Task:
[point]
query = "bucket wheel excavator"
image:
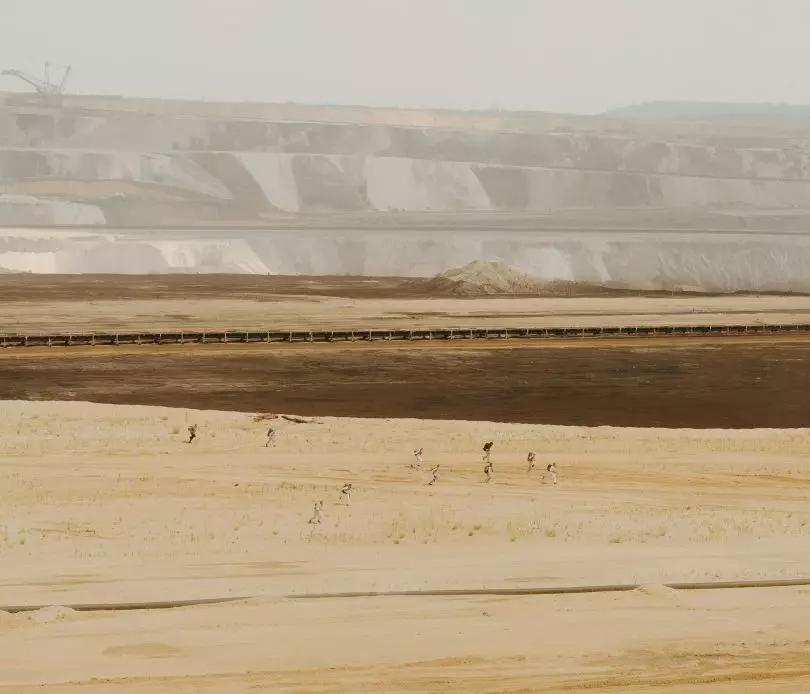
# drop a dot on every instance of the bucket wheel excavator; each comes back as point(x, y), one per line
point(44, 86)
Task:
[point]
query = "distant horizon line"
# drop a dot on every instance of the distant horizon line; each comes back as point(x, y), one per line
point(738, 107)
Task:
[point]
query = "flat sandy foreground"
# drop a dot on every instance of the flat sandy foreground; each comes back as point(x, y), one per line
point(108, 504)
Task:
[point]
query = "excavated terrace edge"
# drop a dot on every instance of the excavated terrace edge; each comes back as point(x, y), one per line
point(542, 590)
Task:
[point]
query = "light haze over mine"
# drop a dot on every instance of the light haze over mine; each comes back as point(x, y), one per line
point(620, 143)
point(576, 56)
point(438, 346)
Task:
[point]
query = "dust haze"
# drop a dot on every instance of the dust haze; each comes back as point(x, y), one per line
point(453, 346)
point(550, 55)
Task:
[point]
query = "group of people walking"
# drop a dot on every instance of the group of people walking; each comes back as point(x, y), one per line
point(344, 500)
point(346, 490)
point(271, 435)
point(551, 468)
point(418, 453)
point(489, 469)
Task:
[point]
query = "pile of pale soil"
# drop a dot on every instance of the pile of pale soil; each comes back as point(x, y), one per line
point(482, 278)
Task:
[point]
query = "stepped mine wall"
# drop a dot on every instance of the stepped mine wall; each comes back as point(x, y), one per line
point(247, 185)
point(242, 168)
point(143, 133)
point(126, 163)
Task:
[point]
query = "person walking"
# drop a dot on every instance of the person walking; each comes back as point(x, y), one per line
point(530, 460)
point(317, 513)
point(435, 477)
point(488, 471)
point(271, 437)
point(192, 433)
point(487, 451)
point(551, 468)
point(417, 454)
point(346, 494)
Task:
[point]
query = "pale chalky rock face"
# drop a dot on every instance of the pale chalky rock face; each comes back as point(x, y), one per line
point(431, 191)
point(252, 158)
point(26, 210)
point(689, 261)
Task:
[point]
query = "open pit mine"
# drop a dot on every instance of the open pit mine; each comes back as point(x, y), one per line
point(106, 185)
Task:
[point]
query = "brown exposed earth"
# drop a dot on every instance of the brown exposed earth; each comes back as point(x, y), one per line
point(31, 287)
point(696, 383)
point(688, 382)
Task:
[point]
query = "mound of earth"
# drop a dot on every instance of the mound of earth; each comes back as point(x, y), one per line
point(482, 278)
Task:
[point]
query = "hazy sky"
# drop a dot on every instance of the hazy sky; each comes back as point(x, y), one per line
point(555, 55)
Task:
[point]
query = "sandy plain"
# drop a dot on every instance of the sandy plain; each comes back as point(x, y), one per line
point(301, 313)
point(107, 503)
point(40, 304)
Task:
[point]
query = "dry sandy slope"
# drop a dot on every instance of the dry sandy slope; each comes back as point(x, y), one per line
point(107, 503)
point(314, 312)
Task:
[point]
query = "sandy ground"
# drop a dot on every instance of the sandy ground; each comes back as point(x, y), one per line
point(106, 503)
point(97, 303)
point(312, 312)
